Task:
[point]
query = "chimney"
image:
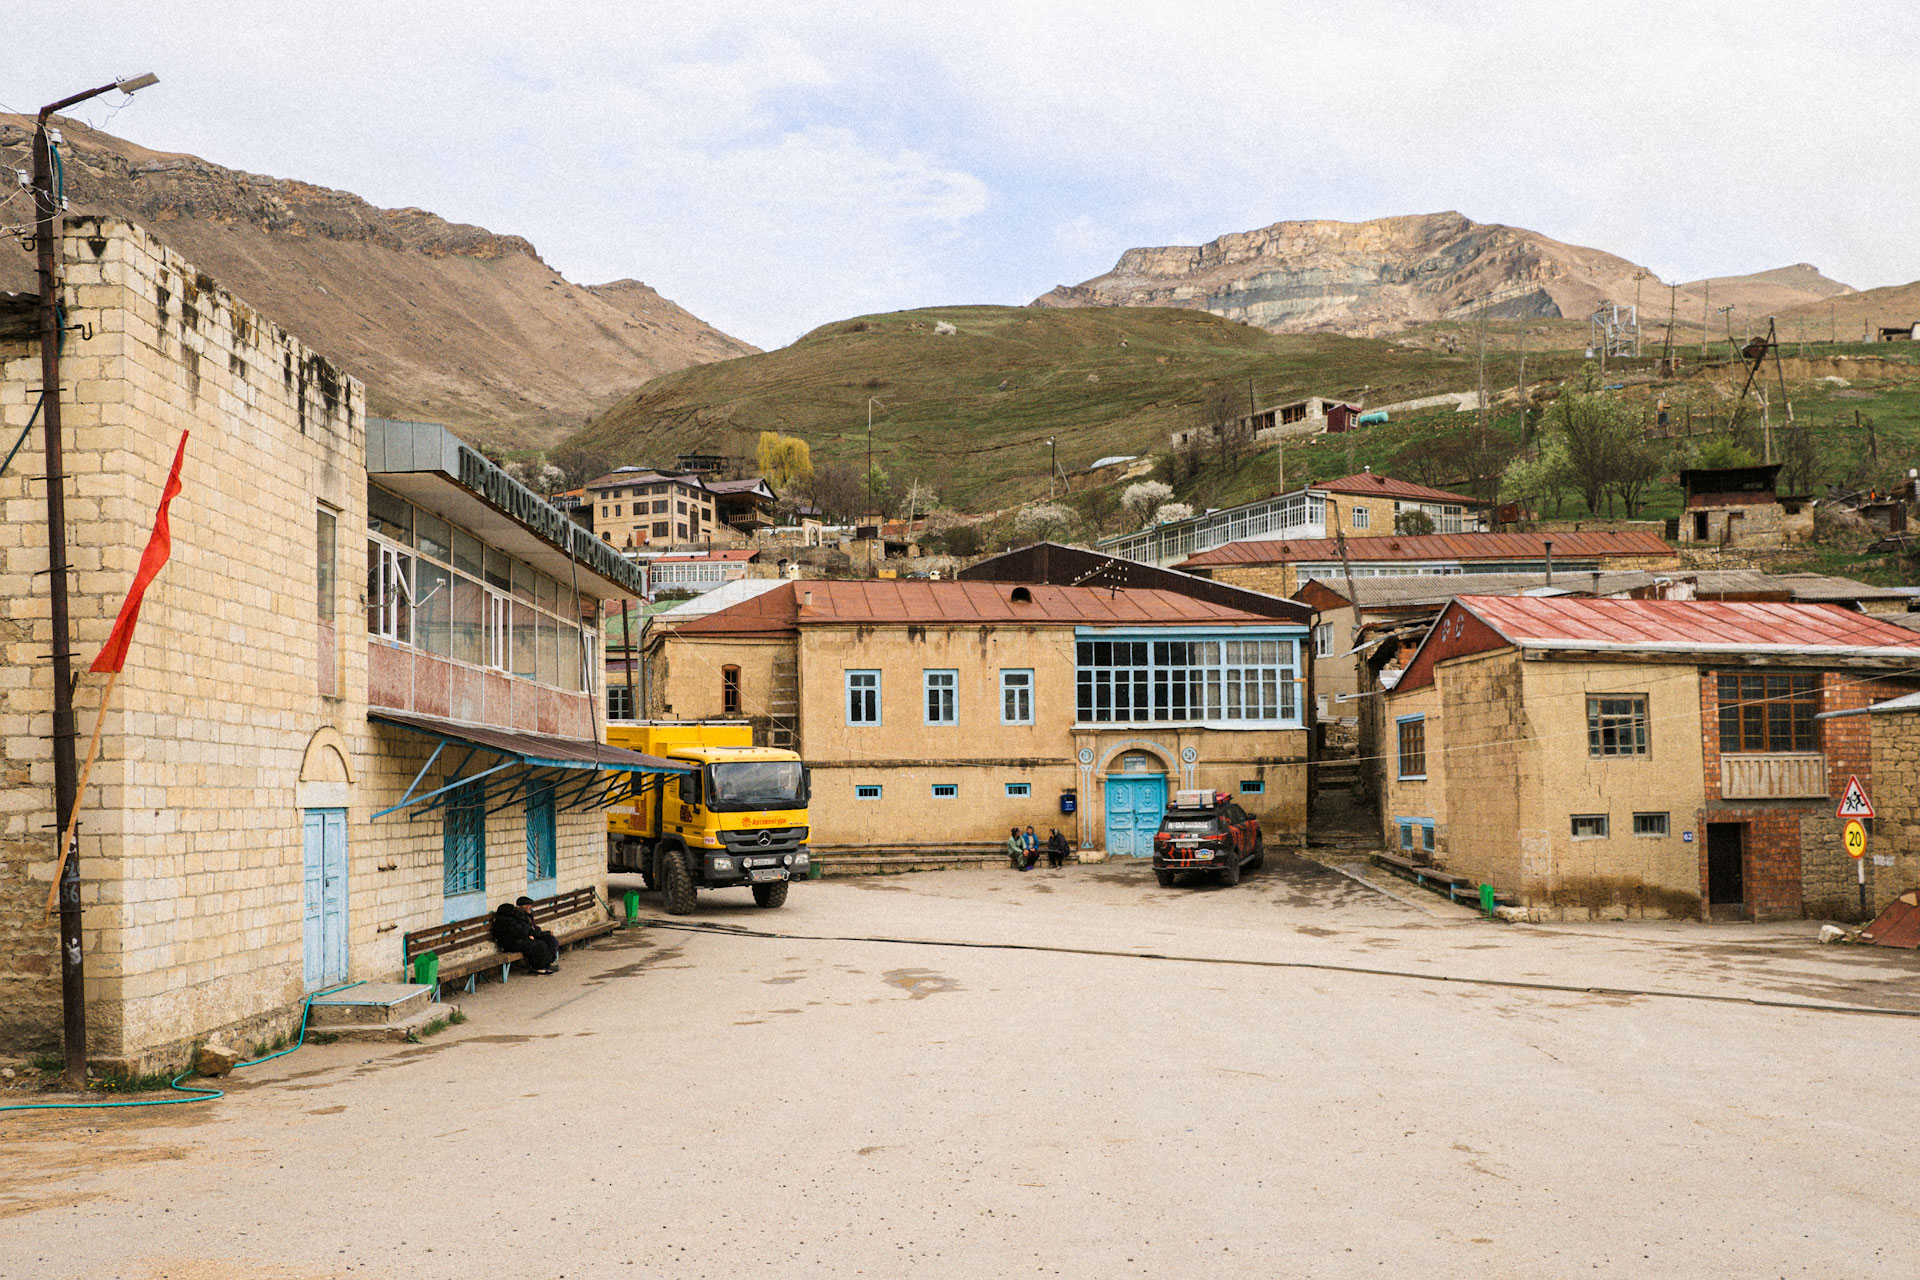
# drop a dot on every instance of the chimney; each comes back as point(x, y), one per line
point(806, 599)
point(1548, 543)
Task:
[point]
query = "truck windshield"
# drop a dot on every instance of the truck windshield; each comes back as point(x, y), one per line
point(758, 784)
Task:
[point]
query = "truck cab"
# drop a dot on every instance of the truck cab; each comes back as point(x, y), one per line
point(737, 818)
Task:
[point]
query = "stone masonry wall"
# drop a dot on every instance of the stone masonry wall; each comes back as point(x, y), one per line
point(1895, 831)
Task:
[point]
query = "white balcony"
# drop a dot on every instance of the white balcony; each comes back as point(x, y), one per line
point(1774, 775)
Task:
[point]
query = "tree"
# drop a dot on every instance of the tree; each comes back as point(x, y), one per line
point(1545, 477)
point(1046, 522)
point(1602, 440)
point(1721, 452)
point(1220, 416)
point(1412, 523)
point(1143, 497)
point(580, 463)
point(785, 461)
point(840, 490)
point(1169, 512)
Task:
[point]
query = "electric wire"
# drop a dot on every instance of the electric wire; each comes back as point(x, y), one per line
point(197, 1093)
point(1521, 984)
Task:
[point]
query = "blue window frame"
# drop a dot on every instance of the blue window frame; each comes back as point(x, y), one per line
point(1252, 787)
point(867, 792)
point(863, 697)
point(943, 696)
point(542, 847)
point(1248, 677)
point(1016, 695)
point(1019, 788)
point(464, 851)
point(1416, 834)
point(946, 791)
point(1410, 747)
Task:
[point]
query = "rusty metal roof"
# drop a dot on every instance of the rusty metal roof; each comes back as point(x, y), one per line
point(539, 749)
point(1563, 622)
point(1436, 546)
point(1898, 925)
point(1368, 484)
point(883, 602)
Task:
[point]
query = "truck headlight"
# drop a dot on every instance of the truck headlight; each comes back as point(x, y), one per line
point(798, 860)
point(723, 864)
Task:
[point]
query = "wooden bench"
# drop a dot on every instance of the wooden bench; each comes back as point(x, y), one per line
point(466, 947)
point(1461, 889)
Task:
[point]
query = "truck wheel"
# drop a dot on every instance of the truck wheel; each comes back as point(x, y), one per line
point(770, 895)
point(1230, 873)
point(1259, 853)
point(1164, 879)
point(678, 883)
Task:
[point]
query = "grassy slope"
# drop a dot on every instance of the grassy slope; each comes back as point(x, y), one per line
point(1104, 381)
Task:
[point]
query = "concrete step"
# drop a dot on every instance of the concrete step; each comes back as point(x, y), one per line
point(369, 1004)
point(414, 1022)
point(877, 862)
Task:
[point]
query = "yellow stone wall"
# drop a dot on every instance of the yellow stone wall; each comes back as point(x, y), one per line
point(1896, 804)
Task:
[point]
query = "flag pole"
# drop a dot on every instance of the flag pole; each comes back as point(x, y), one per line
point(79, 792)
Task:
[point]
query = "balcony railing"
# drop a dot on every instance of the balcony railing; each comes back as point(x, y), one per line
point(1774, 775)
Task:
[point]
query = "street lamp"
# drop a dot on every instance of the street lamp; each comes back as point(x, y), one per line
point(48, 205)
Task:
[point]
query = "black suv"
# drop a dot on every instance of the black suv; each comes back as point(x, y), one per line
point(1205, 831)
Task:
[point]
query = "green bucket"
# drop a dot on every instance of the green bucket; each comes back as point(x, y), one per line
point(633, 904)
point(1486, 898)
point(813, 870)
point(426, 969)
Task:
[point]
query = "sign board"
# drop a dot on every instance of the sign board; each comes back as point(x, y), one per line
point(1854, 802)
point(1855, 838)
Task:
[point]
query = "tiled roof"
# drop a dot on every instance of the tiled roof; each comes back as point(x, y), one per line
point(1701, 625)
point(880, 602)
point(1369, 484)
point(1435, 546)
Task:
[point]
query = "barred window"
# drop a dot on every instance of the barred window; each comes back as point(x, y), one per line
point(1768, 712)
point(1617, 725)
point(1413, 747)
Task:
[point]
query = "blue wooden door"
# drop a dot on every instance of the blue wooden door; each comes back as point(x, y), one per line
point(324, 917)
point(1134, 808)
point(541, 859)
point(464, 853)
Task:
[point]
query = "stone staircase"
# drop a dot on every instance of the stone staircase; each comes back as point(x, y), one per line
point(871, 862)
point(376, 1011)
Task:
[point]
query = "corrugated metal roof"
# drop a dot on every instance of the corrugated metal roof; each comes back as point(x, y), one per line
point(1415, 589)
point(701, 557)
point(1436, 546)
point(533, 748)
point(964, 603)
point(1693, 625)
point(1387, 487)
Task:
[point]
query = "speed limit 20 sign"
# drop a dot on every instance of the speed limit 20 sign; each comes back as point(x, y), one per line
point(1855, 839)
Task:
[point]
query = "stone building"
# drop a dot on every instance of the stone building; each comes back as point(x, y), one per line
point(635, 507)
point(1741, 507)
point(935, 715)
point(363, 695)
point(1638, 755)
point(1279, 566)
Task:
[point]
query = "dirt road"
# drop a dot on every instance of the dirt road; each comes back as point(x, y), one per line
point(698, 1104)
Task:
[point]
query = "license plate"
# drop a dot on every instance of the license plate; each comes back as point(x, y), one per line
point(773, 873)
point(1204, 855)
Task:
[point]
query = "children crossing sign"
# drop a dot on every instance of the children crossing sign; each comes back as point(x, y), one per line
point(1853, 802)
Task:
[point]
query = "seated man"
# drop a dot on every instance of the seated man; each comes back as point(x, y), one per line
point(1057, 850)
point(514, 930)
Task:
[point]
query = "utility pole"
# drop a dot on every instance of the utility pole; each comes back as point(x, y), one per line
point(1637, 278)
point(48, 207)
point(1523, 379)
point(1673, 307)
point(871, 401)
point(1053, 465)
point(1706, 299)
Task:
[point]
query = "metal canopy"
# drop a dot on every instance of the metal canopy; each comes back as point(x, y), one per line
point(581, 775)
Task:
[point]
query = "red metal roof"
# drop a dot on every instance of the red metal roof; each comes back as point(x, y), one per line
point(1436, 546)
point(1369, 484)
point(683, 557)
point(1684, 624)
point(881, 602)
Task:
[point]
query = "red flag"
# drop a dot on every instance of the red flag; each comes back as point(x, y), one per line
point(113, 654)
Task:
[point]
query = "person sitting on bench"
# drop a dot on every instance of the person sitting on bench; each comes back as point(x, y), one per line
point(514, 930)
point(1057, 850)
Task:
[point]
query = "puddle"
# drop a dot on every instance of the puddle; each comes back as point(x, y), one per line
point(919, 983)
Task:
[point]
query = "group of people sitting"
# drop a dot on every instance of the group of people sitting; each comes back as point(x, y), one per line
point(1023, 848)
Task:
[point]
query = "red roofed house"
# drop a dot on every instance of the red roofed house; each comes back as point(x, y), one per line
point(1639, 756)
point(936, 715)
point(1280, 565)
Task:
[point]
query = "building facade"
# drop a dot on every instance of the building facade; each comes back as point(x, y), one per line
point(936, 715)
point(1638, 756)
point(634, 507)
point(302, 761)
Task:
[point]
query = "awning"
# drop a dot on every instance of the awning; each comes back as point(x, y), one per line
point(581, 775)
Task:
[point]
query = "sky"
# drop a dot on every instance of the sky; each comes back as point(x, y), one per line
point(776, 166)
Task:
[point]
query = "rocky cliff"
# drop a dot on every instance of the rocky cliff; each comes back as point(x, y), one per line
point(1371, 278)
point(442, 320)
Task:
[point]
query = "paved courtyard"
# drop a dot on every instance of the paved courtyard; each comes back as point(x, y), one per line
point(1109, 1080)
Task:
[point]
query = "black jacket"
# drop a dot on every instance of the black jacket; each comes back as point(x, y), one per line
point(512, 926)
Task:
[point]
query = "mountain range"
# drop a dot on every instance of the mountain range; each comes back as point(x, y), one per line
point(442, 321)
point(1378, 277)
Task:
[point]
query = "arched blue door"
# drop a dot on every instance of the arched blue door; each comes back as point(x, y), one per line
point(1135, 804)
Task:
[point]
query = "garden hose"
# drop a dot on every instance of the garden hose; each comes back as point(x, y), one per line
point(195, 1093)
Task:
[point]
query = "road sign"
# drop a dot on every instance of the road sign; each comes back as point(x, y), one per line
point(1854, 802)
point(1855, 838)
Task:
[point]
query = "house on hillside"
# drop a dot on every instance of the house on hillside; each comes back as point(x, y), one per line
point(1280, 566)
point(745, 505)
point(935, 715)
point(362, 700)
point(1901, 332)
point(1740, 507)
point(1356, 506)
point(1638, 755)
point(635, 507)
point(1311, 415)
point(1065, 566)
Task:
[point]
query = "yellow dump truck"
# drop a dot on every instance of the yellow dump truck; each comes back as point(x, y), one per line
point(739, 819)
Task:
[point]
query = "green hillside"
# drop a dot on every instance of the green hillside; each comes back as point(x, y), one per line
point(969, 413)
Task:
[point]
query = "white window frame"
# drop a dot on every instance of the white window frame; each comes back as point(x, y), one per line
point(856, 684)
point(395, 584)
point(1019, 790)
point(1362, 517)
point(495, 630)
point(940, 685)
point(1323, 639)
point(1016, 683)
